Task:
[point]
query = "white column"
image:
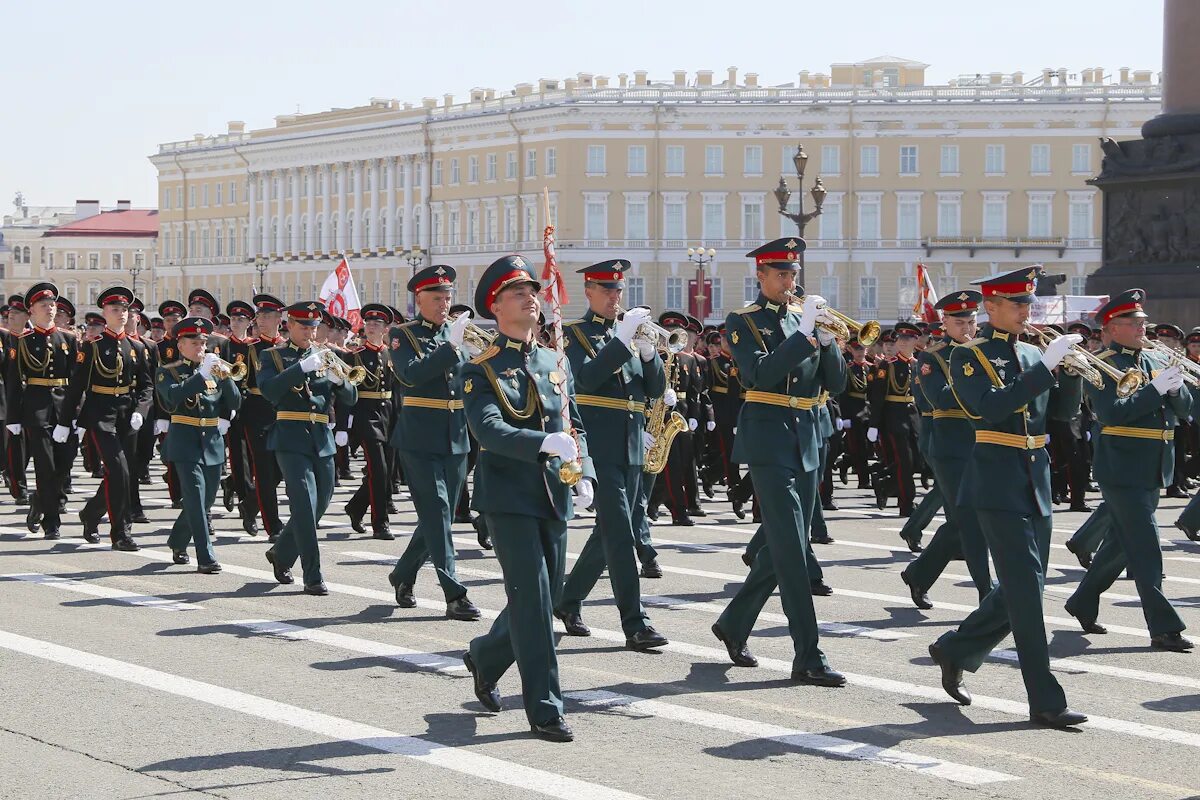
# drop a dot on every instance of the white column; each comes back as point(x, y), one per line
point(310, 213)
point(340, 242)
point(425, 203)
point(296, 176)
point(374, 178)
point(352, 241)
point(327, 208)
point(252, 236)
point(266, 245)
point(281, 213)
point(408, 202)
point(389, 168)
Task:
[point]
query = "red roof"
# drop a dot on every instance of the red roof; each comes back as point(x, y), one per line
point(130, 222)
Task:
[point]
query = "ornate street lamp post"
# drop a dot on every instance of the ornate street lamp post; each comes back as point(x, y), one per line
point(261, 265)
point(701, 257)
point(784, 195)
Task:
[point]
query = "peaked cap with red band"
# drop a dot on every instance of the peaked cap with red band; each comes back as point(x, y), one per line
point(786, 253)
point(16, 302)
point(500, 274)
point(307, 313)
point(192, 326)
point(116, 296)
point(204, 297)
point(608, 274)
point(960, 304)
point(40, 291)
point(239, 308)
point(172, 308)
point(66, 307)
point(267, 303)
point(439, 276)
point(1126, 304)
point(1018, 285)
point(377, 312)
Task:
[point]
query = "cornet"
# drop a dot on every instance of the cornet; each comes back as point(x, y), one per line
point(479, 338)
point(1084, 363)
point(223, 369)
point(348, 374)
point(842, 326)
point(658, 336)
point(1189, 368)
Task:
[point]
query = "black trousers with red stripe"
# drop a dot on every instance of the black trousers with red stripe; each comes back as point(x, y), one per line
point(112, 496)
point(671, 487)
point(16, 463)
point(901, 451)
point(240, 470)
point(375, 488)
point(266, 477)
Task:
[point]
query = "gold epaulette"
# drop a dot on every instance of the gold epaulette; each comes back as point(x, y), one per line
point(747, 309)
point(975, 342)
point(573, 322)
point(172, 364)
point(485, 355)
point(409, 324)
point(933, 348)
point(1106, 353)
point(795, 308)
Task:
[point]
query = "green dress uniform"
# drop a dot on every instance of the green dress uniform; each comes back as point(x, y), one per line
point(194, 443)
point(784, 373)
point(914, 527)
point(1134, 461)
point(1005, 389)
point(614, 386)
point(302, 442)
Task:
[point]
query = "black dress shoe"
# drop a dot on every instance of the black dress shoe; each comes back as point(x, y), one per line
point(51, 533)
point(1082, 508)
point(272, 538)
point(739, 654)
point(91, 530)
point(707, 488)
point(1193, 535)
point(1081, 554)
point(282, 575)
point(914, 545)
point(829, 506)
point(125, 544)
point(952, 676)
point(33, 517)
point(556, 730)
point(826, 539)
point(485, 692)
point(140, 518)
point(250, 525)
point(696, 512)
point(464, 518)
point(747, 559)
point(1175, 642)
point(462, 610)
point(1088, 625)
point(404, 596)
point(1058, 719)
point(180, 557)
point(391, 507)
point(481, 533)
point(383, 533)
point(880, 498)
point(23, 500)
point(822, 676)
point(176, 504)
point(919, 595)
point(739, 510)
point(645, 640)
point(318, 589)
point(652, 512)
point(1176, 492)
point(574, 623)
point(356, 523)
point(651, 569)
point(227, 494)
point(820, 588)
point(208, 569)
point(684, 521)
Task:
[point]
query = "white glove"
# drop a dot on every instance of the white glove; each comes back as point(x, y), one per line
point(222, 426)
point(333, 377)
point(1057, 349)
point(847, 423)
point(15, 430)
point(1087, 436)
point(646, 350)
point(824, 337)
point(647, 440)
point(735, 431)
point(584, 493)
point(61, 432)
point(670, 398)
point(232, 415)
point(808, 315)
point(341, 438)
point(458, 328)
point(710, 425)
point(561, 444)
point(872, 435)
point(693, 424)
point(135, 421)
point(1169, 380)
point(311, 363)
point(471, 349)
point(161, 426)
point(207, 363)
point(78, 430)
point(628, 324)
point(838, 425)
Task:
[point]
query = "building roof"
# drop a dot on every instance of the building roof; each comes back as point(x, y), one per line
point(38, 216)
point(131, 222)
point(908, 62)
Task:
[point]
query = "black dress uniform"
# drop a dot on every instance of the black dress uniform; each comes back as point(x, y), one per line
point(36, 385)
point(258, 414)
point(369, 424)
point(109, 386)
point(236, 350)
point(168, 353)
point(853, 406)
point(16, 454)
point(676, 485)
point(894, 415)
point(727, 395)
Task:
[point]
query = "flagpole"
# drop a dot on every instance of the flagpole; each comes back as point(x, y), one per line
point(555, 291)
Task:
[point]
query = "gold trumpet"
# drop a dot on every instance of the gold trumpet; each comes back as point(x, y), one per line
point(223, 369)
point(334, 364)
point(657, 335)
point(479, 338)
point(842, 326)
point(1189, 368)
point(1084, 363)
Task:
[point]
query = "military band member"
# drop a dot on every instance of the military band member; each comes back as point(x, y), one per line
point(238, 485)
point(132, 439)
point(16, 455)
point(202, 304)
point(258, 415)
point(1135, 461)
point(302, 385)
point(785, 362)
point(431, 435)
point(515, 391)
point(200, 403)
point(64, 318)
point(616, 375)
point(109, 395)
point(39, 363)
point(894, 420)
point(1004, 386)
point(172, 311)
point(369, 423)
point(854, 414)
point(689, 393)
point(728, 395)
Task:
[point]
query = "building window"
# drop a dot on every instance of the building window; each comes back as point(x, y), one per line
point(949, 160)
point(1078, 285)
point(220, 187)
point(233, 193)
point(1081, 159)
point(993, 161)
point(906, 296)
point(489, 226)
point(472, 226)
point(116, 261)
point(674, 219)
point(908, 218)
point(636, 222)
point(713, 219)
point(50, 260)
point(752, 163)
point(219, 243)
point(1080, 219)
point(472, 169)
point(166, 199)
point(714, 160)
point(674, 296)
point(71, 263)
point(831, 159)
point(1040, 215)
point(437, 172)
point(551, 161)
point(718, 295)
point(191, 197)
point(830, 220)
point(453, 232)
point(946, 284)
point(868, 219)
point(995, 213)
point(490, 166)
point(752, 219)
point(831, 289)
point(179, 197)
point(637, 159)
point(510, 165)
point(596, 159)
point(1039, 159)
point(869, 165)
point(635, 292)
point(510, 224)
point(531, 163)
point(674, 160)
point(93, 289)
point(93, 261)
point(908, 160)
point(949, 222)
point(531, 227)
point(749, 289)
point(868, 293)
point(454, 173)
point(204, 195)
point(595, 219)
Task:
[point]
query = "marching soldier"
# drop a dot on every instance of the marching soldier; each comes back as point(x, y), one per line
point(785, 367)
point(1004, 386)
point(616, 375)
point(370, 423)
point(172, 311)
point(109, 395)
point(36, 382)
point(853, 405)
point(894, 420)
point(236, 350)
point(200, 402)
point(672, 486)
point(302, 384)
point(64, 318)
point(728, 395)
point(1135, 460)
point(258, 415)
point(515, 393)
point(16, 455)
point(431, 435)
point(132, 438)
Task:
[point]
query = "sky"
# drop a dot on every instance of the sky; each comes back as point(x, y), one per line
point(92, 88)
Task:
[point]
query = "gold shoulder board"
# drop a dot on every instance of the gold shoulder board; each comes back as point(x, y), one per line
point(485, 355)
point(750, 309)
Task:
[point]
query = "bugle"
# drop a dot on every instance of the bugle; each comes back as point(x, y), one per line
point(843, 326)
point(658, 336)
point(1174, 358)
point(1084, 363)
point(334, 364)
point(223, 369)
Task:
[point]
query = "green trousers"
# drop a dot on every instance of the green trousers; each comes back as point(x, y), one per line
point(435, 482)
point(641, 523)
point(1190, 518)
point(532, 553)
point(1020, 548)
point(759, 540)
point(959, 537)
point(922, 515)
point(1094, 530)
point(612, 544)
point(1132, 541)
point(308, 480)
point(786, 499)
point(198, 489)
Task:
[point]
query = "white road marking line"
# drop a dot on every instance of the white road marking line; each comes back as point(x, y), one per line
point(460, 760)
point(95, 590)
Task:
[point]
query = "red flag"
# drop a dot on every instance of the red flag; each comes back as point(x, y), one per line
point(552, 279)
point(340, 295)
point(926, 296)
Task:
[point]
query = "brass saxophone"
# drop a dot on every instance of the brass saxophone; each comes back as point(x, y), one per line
point(663, 427)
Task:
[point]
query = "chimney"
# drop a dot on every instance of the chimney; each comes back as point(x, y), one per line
point(477, 95)
point(1047, 76)
point(704, 78)
point(996, 78)
point(1018, 78)
point(639, 77)
point(547, 85)
point(601, 81)
point(236, 126)
point(1124, 74)
point(731, 80)
point(428, 102)
point(1142, 76)
point(680, 77)
point(1087, 76)
point(86, 208)
point(751, 80)
point(623, 79)
point(447, 100)
point(124, 205)
point(524, 89)
point(569, 84)
point(584, 79)
point(804, 79)
point(1062, 76)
